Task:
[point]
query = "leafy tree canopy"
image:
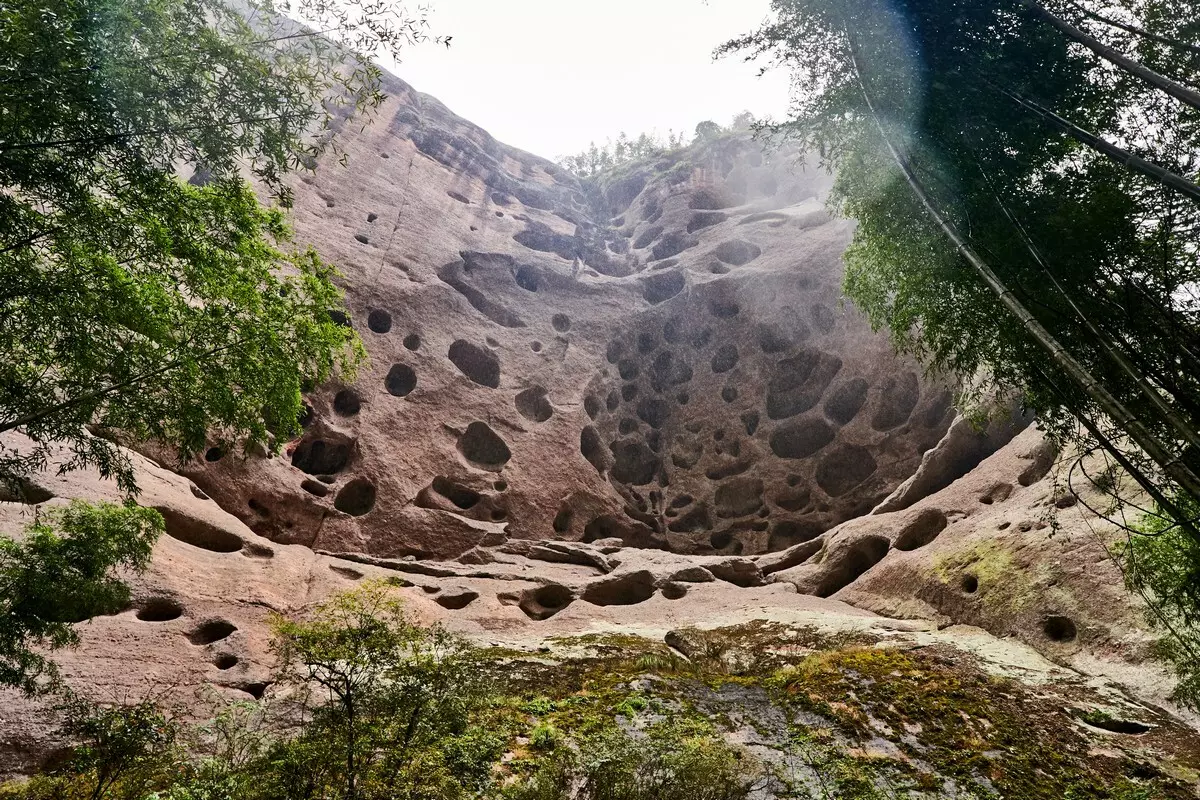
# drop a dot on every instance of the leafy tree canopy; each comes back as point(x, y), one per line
point(129, 298)
point(65, 570)
point(997, 154)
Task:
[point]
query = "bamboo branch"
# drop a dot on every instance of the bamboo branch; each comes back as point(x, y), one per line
point(1172, 464)
point(1177, 90)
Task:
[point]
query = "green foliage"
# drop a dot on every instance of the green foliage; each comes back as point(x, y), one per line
point(671, 760)
point(133, 300)
point(674, 759)
point(613, 154)
point(1101, 255)
point(64, 569)
point(1162, 564)
point(707, 130)
point(399, 703)
point(124, 750)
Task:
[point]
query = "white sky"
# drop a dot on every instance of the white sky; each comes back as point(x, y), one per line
point(550, 76)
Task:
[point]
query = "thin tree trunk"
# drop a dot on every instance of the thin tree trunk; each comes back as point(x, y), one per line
point(1170, 463)
point(1177, 90)
point(1120, 155)
point(100, 394)
point(1145, 34)
point(1183, 427)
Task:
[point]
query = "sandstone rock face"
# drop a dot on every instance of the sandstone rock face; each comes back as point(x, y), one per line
point(664, 359)
point(635, 407)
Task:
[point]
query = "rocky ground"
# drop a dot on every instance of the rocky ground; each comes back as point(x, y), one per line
point(638, 408)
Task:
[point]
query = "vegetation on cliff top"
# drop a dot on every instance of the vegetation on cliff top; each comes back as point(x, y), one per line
point(368, 705)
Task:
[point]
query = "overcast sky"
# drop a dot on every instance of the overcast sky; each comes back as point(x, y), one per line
point(549, 76)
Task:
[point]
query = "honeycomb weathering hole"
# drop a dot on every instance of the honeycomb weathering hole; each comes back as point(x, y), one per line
point(225, 661)
point(545, 601)
point(844, 468)
point(159, 609)
point(527, 278)
point(401, 380)
point(534, 405)
point(347, 403)
point(483, 447)
point(663, 286)
point(674, 591)
point(412, 342)
point(461, 496)
point(561, 323)
point(801, 439)
point(921, 531)
point(199, 533)
point(851, 563)
point(479, 364)
point(631, 589)
point(356, 498)
point(1059, 628)
point(737, 252)
point(314, 487)
point(379, 321)
point(321, 457)
point(970, 584)
point(211, 631)
point(214, 454)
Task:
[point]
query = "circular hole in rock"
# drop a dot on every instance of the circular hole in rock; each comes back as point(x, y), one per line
point(214, 454)
point(379, 321)
point(159, 609)
point(1059, 628)
point(1066, 501)
point(214, 630)
point(483, 447)
point(674, 590)
point(412, 342)
point(527, 278)
point(546, 601)
point(347, 403)
point(319, 457)
point(356, 498)
point(970, 584)
point(729, 394)
point(553, 596)
point(561, 323)
point(720, 540)
point(535, 346)
point(921, 531)
point(401, 380)
point(224, 661)
point(372, 216)
point(478, 364)
point(534, 405)
point(500, 486)
point(457, 599)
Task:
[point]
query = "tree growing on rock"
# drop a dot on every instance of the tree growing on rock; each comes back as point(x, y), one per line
point(394, 703)
point(65, 570)
point(136, 300)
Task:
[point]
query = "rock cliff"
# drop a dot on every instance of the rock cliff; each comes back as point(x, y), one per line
point(635, 404)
